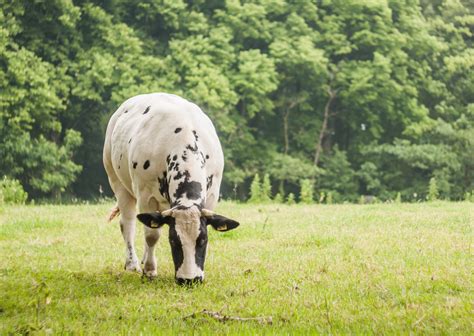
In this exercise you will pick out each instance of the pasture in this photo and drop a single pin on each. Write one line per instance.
(364, 269)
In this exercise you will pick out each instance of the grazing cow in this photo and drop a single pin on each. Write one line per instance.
(162, 153)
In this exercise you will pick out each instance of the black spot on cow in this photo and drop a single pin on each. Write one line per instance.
(147, 110)
(178, 130)
(121, 156)
(192, 148)
(146, 164)
(203, 159)
(190, 189)
(176, 167)
(180, 175)
(130, 140)
(134, 164)
(176, 248)
(175, 157)
(171, 165)
(195, 135)
(209, 182)
(164, 186)
(201, 244)
(168, 159)
(207, 157)
(118, 167)
(184, 156)
(126, 111)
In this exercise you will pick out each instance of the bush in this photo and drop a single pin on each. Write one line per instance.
(291, 199)
(278, 198)
(469, 196)
(266, 189)
(12, 191)
(398, 199)
(260, 192)
(433, 193)
(255, 190)
(329, 198)
(306, 193)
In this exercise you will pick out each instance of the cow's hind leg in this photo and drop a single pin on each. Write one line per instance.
(151, 238)
(127, 204)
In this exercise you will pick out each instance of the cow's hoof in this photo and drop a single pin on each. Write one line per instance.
(132, 267)
(150, 274)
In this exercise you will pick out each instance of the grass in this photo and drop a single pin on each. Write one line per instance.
(329, 269)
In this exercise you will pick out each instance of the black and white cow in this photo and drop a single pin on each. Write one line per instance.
(162, 153)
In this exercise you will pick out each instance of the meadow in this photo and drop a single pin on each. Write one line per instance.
(320, 269)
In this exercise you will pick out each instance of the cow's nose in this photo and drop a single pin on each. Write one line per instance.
(188, 282)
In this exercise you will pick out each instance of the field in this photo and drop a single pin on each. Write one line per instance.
(329, 269)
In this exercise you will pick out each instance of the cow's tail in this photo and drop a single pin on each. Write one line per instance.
(114, 212)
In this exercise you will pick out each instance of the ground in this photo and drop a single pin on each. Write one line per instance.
(365, 269)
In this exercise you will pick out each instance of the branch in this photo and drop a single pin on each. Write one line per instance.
(224, 318)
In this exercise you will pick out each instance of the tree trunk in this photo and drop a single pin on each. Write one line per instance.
(327, 113)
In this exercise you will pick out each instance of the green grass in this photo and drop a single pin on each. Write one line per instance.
(376, 269)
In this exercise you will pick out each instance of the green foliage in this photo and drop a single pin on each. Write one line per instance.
(260, 192)
(12, 192)
(338, 177)
(329, 199)
(290, 200)
(266, 189)
(398, 198)
(401, 75)
(469, 196)
(255, 190)
(433, 193)
(306, 191)
(278, 198)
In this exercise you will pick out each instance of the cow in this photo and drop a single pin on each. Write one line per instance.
(162, 155)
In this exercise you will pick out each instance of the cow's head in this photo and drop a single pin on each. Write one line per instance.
(188, 237)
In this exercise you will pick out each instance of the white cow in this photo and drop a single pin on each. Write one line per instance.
(162, 153)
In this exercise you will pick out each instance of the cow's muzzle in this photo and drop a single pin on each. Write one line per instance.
(189, 282)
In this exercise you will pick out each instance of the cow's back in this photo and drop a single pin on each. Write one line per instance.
(146, 130)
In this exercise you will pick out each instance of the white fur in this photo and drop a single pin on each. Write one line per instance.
(187, 227)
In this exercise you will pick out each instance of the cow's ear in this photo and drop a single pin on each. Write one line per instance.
(221, 223)
(154, 220)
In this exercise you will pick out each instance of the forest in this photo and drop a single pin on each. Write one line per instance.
(342, 97)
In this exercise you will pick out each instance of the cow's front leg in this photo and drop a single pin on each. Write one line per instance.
(149, 204)
(127, 226)
(149, 259)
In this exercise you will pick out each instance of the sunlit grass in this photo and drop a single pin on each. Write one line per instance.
(323, 269)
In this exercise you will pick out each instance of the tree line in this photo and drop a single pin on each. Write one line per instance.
(356, 97)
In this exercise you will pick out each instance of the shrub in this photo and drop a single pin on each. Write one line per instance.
(266, 189)
(255, 190)
(469, 196)
(291, 199)
(322, 197)
(433, 193)
(398, 199)
(278, 198)
(329, 198)
(12, 191)
(306, 193)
